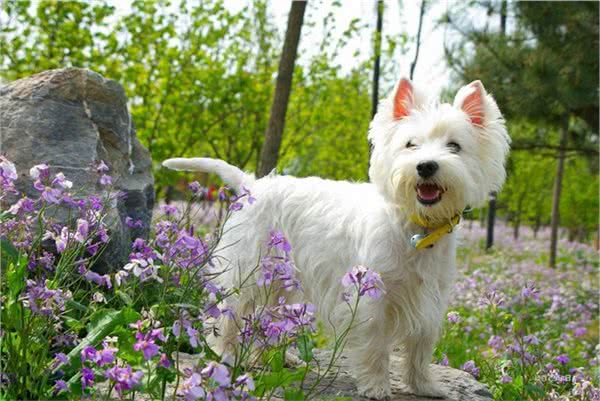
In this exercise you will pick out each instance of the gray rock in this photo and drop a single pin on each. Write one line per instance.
(459, 385)
(70, 119)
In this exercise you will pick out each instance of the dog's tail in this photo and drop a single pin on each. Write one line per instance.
(231, 175)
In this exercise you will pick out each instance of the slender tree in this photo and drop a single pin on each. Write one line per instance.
(418, 44)
(377, 51)
(555, 217)
(492, 203)
(270, 149)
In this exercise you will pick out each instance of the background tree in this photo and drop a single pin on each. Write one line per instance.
(274, 133)
(545, 71)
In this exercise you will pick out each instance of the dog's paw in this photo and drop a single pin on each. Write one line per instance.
(429, 389)
(376, 392)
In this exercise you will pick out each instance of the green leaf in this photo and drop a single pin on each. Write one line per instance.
(124, 297)
(293, 394)
(15, 276)
(8, 253)
(99, 330)
(305, 346)
(277, 360)
(76, 305)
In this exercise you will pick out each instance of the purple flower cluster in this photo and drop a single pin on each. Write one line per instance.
(277, 267)
(237, 202)
(214, 383)
(146, 342)
(45, 301)
(365, 281)
(122, 377)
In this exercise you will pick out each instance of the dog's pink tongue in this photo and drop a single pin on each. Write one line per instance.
(428, 192)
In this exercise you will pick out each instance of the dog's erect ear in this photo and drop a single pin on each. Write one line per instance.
(471, 99)
(404, 99)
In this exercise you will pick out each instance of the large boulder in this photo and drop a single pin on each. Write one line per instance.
(339, 384)
(70, 119)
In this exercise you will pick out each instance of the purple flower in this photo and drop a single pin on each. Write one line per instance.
(245, 380)
(83, 230)
(60, 386)
(105, 180)
(217, 372)
(8, 170)
(195, 187)
(278, 241)
(192, 388)
(131, 223)
(471, 368)
(39, 172)
(444, 361)
(101, 167)
(42, 300)
(61, 181)
(235, 206)
(87, 378)
(531, 339)
(124, 378)
(88, 353)
(496, 342)
(164, 361)
(563, 359)
(169, 210)
(95, 203)
(98, 279)
(23, 205)
(246, 192)
(60, 359)
(106, 355)
(453, 317)
(529, 291)
(580, 332)
(148, 347)
(506, 379)
(365, 280)
(48, 194)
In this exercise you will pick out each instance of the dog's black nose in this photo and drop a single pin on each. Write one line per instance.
(427, 169)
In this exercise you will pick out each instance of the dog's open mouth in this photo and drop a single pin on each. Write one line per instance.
(429, 194)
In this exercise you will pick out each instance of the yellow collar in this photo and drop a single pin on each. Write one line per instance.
(422, 241)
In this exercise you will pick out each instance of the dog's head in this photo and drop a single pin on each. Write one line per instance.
(435, 159)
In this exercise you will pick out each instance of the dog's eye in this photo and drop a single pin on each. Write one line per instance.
(410, 145)
(454, 147)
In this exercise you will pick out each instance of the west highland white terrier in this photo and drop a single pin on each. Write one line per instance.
(429, 162)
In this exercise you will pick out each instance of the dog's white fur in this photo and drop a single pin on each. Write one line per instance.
(334, 225)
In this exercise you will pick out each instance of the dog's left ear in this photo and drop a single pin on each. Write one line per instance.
(476, 103)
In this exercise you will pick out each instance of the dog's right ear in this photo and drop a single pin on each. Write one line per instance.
(404, 99)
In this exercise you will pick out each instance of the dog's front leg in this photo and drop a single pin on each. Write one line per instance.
(369, 353)
(371, 367)
(419, 349)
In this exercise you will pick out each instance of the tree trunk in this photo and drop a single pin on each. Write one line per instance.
(491, 218)
(419, 29)
(555, 219)
(536, 226)
(503, 17)
(377, 50)
(270, 149)
(492, 204)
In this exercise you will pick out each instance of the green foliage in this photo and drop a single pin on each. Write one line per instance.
(542, 69)
(200, 78)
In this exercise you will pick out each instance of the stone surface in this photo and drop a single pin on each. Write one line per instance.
(70, 119)
(459, 385)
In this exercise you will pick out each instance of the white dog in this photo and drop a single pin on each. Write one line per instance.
(429, 162)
